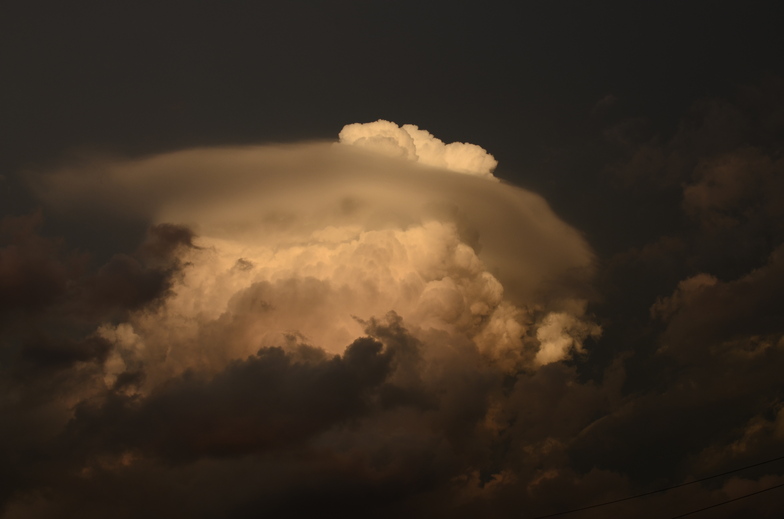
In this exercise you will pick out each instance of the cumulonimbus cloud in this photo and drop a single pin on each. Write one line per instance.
(312, 240)
(300, 310)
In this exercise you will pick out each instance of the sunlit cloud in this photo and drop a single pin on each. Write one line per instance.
(311, 241)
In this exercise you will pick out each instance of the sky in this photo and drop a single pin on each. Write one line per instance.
(443, 259)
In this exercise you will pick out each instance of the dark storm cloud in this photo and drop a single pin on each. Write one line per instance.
(38, 272)
(272, 400)
(306, 425)
(701, 301)
(51, 299)
(705, 313)
(32, 270)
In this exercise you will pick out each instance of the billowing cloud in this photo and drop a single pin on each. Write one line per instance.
(311, 241)
(412, 143)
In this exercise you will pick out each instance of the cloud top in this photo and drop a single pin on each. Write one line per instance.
(412, 143)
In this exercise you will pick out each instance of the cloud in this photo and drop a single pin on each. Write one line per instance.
(32, 271)
(558, 333)
(312, 239)
(740, 315)
(695, 296)
(314, 325)
(412, 143)
(269, 400)
(311, 312)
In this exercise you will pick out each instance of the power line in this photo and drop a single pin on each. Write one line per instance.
(729, 501)
(597, 505)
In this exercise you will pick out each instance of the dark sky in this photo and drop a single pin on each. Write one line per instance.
(521, 80)
(517, 79)
(655, 129)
